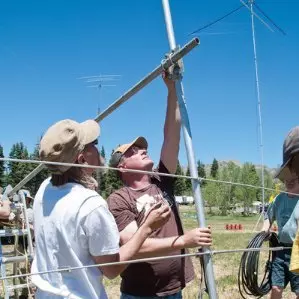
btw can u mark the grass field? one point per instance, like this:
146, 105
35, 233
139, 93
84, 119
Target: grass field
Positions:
225, 265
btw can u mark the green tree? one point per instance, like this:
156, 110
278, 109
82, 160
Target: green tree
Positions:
211, 196
17, 170
214, 168
268, 183
222, 195
201, 172
103, 153
34, 184
179, 183
188, 183
233, 175
2, 168
113, 181
226, 192
246, 195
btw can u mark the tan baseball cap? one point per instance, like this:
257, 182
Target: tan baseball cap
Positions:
65, 140
120, 150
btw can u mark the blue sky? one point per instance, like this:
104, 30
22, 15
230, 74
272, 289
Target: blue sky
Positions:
46, 45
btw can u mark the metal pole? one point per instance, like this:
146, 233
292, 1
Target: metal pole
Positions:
27, 178
259, 106
15, 267
12, 232
209, 272
142, 83
15, 259
3, 274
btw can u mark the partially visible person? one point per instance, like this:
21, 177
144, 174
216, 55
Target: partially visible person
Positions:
5, 214
29, 211
72, 224
284, 209
164, 278
5, 211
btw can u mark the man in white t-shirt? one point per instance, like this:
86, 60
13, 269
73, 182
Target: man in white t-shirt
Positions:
72, 224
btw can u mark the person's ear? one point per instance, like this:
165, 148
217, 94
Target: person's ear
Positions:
81, 159
122, 166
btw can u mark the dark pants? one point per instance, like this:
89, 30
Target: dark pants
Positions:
281, 275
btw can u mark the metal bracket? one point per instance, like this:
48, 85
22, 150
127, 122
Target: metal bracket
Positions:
175, 71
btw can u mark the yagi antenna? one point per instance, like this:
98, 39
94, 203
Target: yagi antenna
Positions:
99, 82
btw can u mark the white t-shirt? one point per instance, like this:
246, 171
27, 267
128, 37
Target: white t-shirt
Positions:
71, 223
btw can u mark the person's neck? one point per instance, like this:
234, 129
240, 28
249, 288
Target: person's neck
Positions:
138, 181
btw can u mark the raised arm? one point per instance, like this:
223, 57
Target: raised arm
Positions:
172, 128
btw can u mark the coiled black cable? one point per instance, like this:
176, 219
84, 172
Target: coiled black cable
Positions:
248, 281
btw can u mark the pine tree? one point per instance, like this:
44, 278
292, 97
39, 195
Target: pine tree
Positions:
2, 168
17, 170
113, 181
201, 172
103, 154
34, 184
214, 168
188, 183
179, 183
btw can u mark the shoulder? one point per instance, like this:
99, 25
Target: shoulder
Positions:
279, 198
38, 198
92, 202
165, 182
162, 168
120, 195
46, 183
82, 191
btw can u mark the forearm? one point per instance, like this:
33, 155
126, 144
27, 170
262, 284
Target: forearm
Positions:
127, 252
172, 128
172, 124
133, 246
157, 247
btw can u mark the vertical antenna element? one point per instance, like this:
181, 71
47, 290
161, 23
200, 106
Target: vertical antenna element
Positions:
186, 129
259, 106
